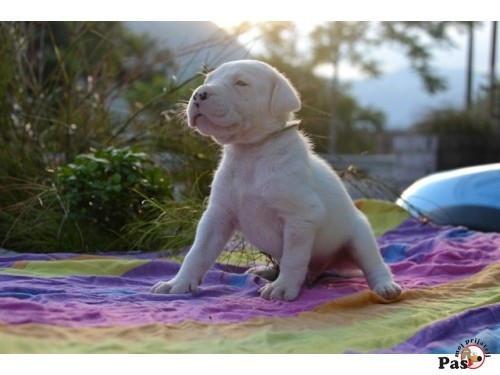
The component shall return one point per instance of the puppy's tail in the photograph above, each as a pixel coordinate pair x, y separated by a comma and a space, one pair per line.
343, 273
348, 273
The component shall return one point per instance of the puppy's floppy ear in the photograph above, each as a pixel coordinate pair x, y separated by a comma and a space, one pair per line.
285, 98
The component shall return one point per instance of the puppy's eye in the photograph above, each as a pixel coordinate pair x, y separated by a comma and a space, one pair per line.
241, 83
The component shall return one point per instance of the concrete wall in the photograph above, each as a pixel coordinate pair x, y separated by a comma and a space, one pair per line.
416, 156
413, 156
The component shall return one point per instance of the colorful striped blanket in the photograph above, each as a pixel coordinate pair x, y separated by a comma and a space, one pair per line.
68, 303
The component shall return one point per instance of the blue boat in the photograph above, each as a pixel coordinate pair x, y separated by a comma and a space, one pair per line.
467, 196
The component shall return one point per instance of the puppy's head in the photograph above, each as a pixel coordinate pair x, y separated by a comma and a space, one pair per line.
242, 102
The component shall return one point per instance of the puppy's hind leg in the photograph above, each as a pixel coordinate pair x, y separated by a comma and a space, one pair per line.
297, 245
269, 273
366, 254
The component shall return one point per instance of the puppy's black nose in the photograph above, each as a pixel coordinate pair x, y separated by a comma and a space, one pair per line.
479, 358
203, 95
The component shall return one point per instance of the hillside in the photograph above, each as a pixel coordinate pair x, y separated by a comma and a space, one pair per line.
401, 96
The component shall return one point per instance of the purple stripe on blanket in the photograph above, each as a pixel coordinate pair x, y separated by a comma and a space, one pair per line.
419, 255
424, 255
444, 336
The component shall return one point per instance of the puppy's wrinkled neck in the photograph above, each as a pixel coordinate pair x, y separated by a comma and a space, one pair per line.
288, 127
268, 138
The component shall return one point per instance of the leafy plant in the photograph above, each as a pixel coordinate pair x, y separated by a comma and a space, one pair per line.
105, 186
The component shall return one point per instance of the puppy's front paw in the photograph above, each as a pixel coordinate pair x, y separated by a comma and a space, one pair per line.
174, 286
276, 291
388, 291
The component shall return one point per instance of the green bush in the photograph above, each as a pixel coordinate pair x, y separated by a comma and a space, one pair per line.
454, 121
111, 199
107, 187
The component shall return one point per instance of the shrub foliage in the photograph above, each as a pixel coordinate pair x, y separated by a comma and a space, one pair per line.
107, 186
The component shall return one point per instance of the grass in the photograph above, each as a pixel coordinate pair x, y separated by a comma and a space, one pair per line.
39, 222
43, 223
167, 225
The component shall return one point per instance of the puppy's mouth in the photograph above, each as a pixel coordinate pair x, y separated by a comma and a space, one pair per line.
205, 126
198, 119
193, 123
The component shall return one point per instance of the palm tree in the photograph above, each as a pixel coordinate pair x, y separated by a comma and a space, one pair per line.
493, 86
470, 58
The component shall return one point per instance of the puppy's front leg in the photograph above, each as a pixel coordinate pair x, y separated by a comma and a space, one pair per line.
214, 230
297, 247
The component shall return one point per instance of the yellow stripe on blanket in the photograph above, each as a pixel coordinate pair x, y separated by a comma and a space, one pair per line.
97, 266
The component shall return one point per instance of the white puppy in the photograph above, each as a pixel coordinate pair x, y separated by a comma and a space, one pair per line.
271, 187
